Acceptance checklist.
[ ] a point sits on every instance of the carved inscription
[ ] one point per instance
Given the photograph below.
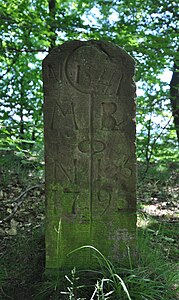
(109, 121)
(84, 75)
(64, 109)
(88, 77)
(52, 75)
(85, 146)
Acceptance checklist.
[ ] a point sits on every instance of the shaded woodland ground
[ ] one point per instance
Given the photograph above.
(22, 225)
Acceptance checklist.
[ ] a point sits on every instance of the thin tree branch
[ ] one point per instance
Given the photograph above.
(19, 202)
(25, 50)
(148, 158)
(158, 136)
(52, 13)
(149, 153)
(10, 67)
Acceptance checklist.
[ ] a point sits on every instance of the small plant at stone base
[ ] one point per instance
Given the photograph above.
(99, 290)
(115, 282)
(73, 286)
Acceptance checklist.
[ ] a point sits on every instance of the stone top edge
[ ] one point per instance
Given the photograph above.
(100, 43)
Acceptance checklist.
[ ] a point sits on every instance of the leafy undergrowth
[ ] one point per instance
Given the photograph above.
(153, 277)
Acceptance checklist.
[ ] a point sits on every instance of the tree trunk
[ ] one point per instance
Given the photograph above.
(52, 11)
(21, 131)
(174, 96)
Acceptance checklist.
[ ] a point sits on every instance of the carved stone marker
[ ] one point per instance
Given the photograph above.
(90, 163)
